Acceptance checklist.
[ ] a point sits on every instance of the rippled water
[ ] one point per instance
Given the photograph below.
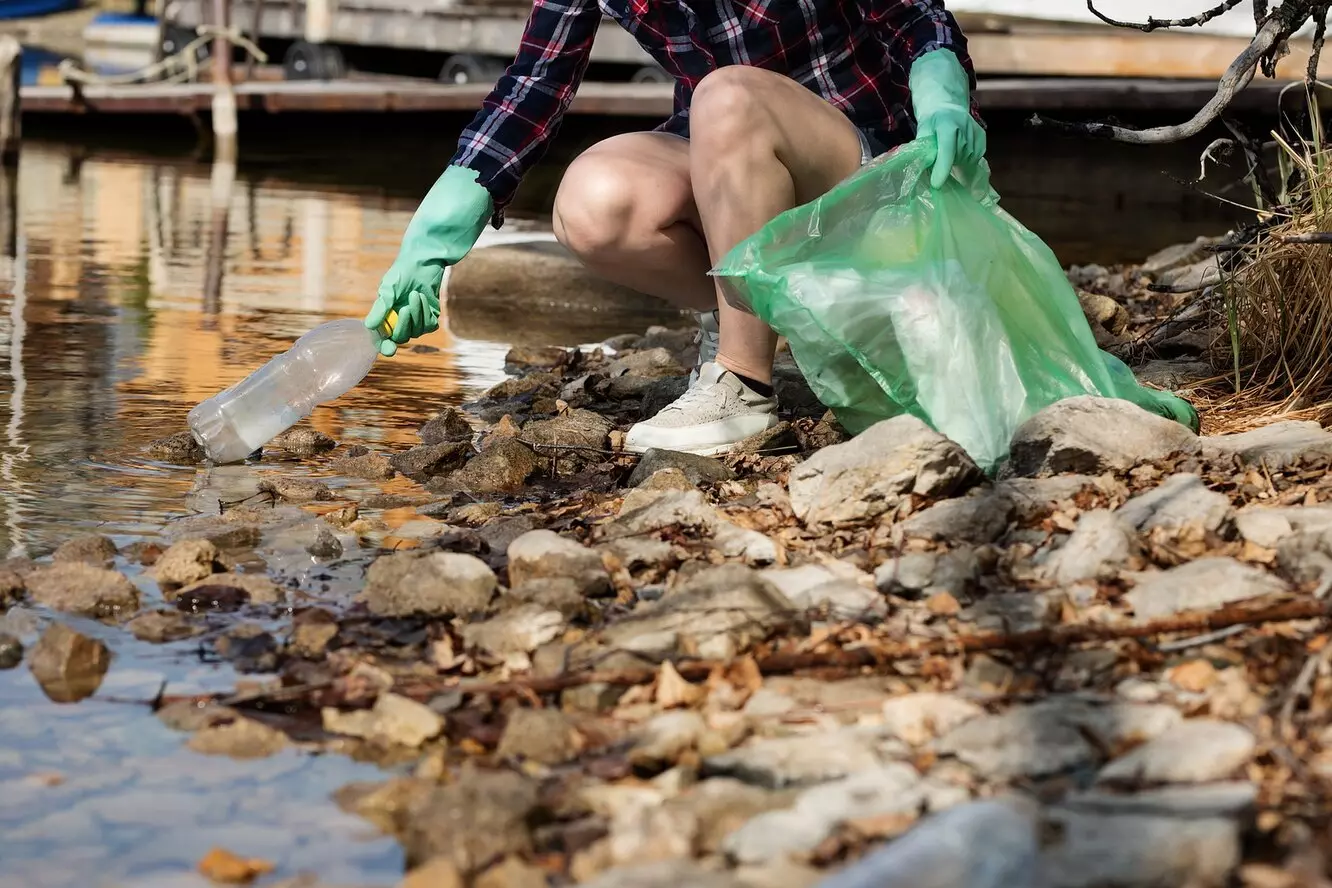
(111, 329)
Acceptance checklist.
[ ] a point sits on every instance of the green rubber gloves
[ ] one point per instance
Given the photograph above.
(445, 227)
(941, 101)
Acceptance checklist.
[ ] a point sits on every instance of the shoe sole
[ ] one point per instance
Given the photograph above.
(710, 449)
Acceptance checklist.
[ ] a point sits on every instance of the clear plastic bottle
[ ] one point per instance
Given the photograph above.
(321, 365)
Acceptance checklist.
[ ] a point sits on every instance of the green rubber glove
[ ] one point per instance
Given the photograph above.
(443, 230)
(941, 101)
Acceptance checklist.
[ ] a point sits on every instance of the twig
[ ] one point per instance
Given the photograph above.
(1170, 647)
(1320, 32)
(1153, 24)
(1313, 237)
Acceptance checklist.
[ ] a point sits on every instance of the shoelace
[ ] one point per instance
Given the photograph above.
(691, 396)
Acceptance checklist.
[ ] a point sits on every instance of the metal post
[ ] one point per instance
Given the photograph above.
(224, 92)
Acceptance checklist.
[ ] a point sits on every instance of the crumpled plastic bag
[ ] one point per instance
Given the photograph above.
(896, 298)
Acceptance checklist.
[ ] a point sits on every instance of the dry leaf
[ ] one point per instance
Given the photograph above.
(745, 674)
(673, 690)
(882, 826)
(943, 604)
(1195, 676)
(221, 865)
(442, 654)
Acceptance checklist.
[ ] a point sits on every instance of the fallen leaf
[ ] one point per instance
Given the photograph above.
(943, 604)
(673, 690)
(1195, 676)
(881, 826)
(221, 865)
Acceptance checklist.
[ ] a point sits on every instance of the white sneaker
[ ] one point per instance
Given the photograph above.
(709, 342)
(715, 414)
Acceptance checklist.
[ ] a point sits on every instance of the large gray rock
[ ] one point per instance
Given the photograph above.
(1196, 751)
(806, 759)
(79, 588)
(1088, 436)
(436, 584)
(1267, 526)
(872, 473)
(814, 588)
(717, 613)
(425, 461)
(1306, 556)
(1035, 498)
(698, 469)
(1198, 585)
(977, 519)
(544, 554)
(1100, 545)
(1230, 799)
(1183, 501)
(684, 510)
(1276, 446)
(907, 575)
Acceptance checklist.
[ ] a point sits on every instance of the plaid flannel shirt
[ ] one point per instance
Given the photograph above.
(856, 54)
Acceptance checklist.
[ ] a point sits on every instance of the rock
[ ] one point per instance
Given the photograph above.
(972, 519)
(579, 429)
(12, 587)
(1234, 799)
(503, 467)
(425, 461)
(90, 549)
(700, 470)
(1173, 375)
(543, 554)
(1178, 256)
(254, 588)
(1036, 498)
(1070, 437)
(627, 388)
(873, 473)
(750, 546)
(518, 631)
(1103, 312)
(296, 490)
(474, 514)
(530, 386)
(1275, 446)
(1182, 501)
(664, 479)
(241, 738)
(448, 426)
(956, 572)
(558, 594)
(393, 719)
(1100, 545)
(544, 736)
(160, 627)
(303, 442)
(920, 717)
(893, 789)
(11, 651)
(312, 632)
(719, 611)
(79, 588)
(781, 438)
(1193, 276)
(249, 649)
(1133, 851)
(512, 873)
(435, 584)
(793, 392)
(662, 393)
(437, 873)
(68, 665)
(370, 466)
(907, 575)
(1262, 526)
(1306, 556)
(325, 544)
(186, 562)
(664, 874)
(814, 588)
(1014, 612)
(1198, 585)
(179, 449)
(803, 759)
(685, 510)
(651, 363)
(474, 821)
(1195, 751)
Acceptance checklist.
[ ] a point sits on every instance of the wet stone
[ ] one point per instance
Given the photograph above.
(1070, 438)
(393, 719)
(90, 549)
(1101, 544)
(653, 363)
(11, 651)
(208, 599)
(448, 426)
(249, 649)
(500, 533)
(325, 544)
(239, 738)
(296, 490)
(474, 514)
(160, 627)
(83, 589)
(428, 460)
(68, 665)
(189, 716)
(544, 736)
(303, 442)
(1199, 585)
(435, 584)
(186, 562)
(255, 588)
(582, 430)
(699, 470)
(543, 554)
(473, 822)
(369, 466)
(180, 449)
(12, 587)
(312, 632)
(503, 467)
(876, 471)
(533, 385)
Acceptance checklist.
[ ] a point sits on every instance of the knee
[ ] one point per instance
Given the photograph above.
(731, 107)
(593, 207)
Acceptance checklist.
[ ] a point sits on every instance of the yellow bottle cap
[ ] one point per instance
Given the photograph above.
(390, 321)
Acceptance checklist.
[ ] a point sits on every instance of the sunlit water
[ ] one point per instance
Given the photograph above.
(107, 340)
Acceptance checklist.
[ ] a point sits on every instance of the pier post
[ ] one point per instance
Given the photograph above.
(224, 92)
(11, 64)
(318, 21)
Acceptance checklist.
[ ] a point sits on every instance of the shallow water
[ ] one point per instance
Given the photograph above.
(107, 339)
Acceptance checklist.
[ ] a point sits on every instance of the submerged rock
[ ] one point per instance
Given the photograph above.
(160, 627)
(435, 584)
(255, 588)
(186, 562)
(90, 549)
(369, 466)
(296, 490)
(180, 449)
(303, 442)
(79, 588)
(68, 665)
(1199, 585)
(239, 738)
(1071, 437)
(872, 473)
(11, 651)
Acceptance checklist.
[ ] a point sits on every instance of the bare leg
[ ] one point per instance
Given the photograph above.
(760, 144)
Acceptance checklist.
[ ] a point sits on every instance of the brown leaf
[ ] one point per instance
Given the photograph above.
(881, 826)
(943, 604)
(673, 690)
(221, 865)
(1195, 676)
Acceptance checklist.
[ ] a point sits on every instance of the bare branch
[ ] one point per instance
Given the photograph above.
(1153, 24)
(1320, 31)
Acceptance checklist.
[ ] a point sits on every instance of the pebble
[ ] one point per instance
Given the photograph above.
(519, 630)
(296, 490)
(907, 575)
(79, 588)
(325, 544)
(160, 627)
(1198, 585)
(1263, 527)
(804, 759)
(303, 442)
(1182, 501)
(186, 562)
(435, 584)
(699, 470)
(651, 363)
(545, 736)
(876, 471)
(1070, 437)
(393, 719)
(11, 651)
(253, 587)
(68, 665)
(1100, 545)
(543, 554)
(1194, 751)
(90, 549)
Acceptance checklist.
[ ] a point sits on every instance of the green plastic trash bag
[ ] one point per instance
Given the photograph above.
(896, 298)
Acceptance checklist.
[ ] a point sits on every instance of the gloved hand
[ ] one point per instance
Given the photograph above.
(445, 227)
(941, 101)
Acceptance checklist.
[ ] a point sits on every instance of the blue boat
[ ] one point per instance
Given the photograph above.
(16, 9)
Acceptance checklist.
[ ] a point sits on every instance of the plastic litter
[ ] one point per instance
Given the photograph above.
(898, 298)
(322, 365)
